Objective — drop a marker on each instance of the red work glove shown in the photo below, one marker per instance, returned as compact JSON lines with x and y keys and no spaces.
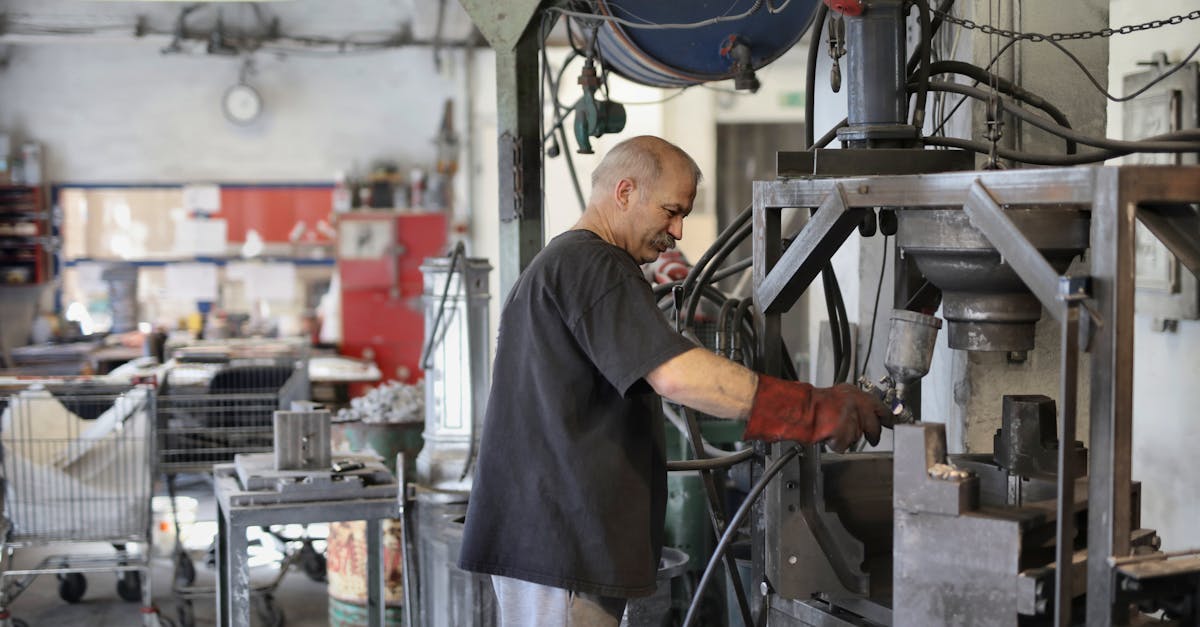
{"x":840,"y":415}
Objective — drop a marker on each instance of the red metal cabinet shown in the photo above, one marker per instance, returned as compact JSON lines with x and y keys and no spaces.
{"x":379,"y":266}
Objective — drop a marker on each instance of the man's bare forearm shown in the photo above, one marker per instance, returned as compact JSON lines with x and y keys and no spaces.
{"x":706,"y":382}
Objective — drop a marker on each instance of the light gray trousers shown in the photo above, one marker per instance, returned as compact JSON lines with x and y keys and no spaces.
{"x":525,"y":604}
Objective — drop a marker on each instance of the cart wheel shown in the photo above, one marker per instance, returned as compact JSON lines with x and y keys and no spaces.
{"x":71,"y":587}
{"x":185,"y":570}
{"x":129,"y":586}
{"x":185,"y":613}
{"x":312,"y":562}
{"x":268,"y":613}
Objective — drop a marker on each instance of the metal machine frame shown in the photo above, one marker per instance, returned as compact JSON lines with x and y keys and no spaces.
{"x":1096,"y":312}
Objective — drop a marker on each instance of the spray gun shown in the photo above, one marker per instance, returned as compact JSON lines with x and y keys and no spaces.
{"x":909,"y":353}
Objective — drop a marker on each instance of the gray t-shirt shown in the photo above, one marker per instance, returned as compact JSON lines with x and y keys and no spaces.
{"x":570,"y":485}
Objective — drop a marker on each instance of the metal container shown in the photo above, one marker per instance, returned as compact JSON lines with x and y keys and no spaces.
{"x":456,"y":368}
{"x":986,"y":305}
{"x":655,"y":610}
{"x":910,"y":345}
{"x":346,"y":569}
{"x":449,"y":596}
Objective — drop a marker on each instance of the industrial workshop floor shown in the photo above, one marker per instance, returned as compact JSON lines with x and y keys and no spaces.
{"x":304,"y":602}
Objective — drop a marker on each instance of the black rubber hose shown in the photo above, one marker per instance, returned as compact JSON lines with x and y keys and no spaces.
{"x":835,"y":334}
{"x":810,"y":78}
{"x":983,"y":148}
{"x":715,"y":510}
{"x":711,"y":463}
{"x":828,"y":137}
{"x":740,"y":327}
{"x":723,"y":341}
{"x":741,"y":218}
{"x":839,"y":304}
{"x":719,"y":275}
{"x":1006,"y":86}
{"x":460,"y":252}
{"x":732,"y":528}
{"x":915,"y":58}
{"x":1144,"y":145}
{"x":926,"y":52}
{"x":726,"y":249}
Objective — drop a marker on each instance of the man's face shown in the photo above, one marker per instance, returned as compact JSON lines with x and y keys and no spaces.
{"x":657,"y":211}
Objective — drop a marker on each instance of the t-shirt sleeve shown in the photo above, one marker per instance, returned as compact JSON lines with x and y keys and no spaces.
{"x":626,"y":336}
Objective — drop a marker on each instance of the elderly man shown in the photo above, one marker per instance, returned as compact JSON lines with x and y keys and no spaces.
{"x":567,"y":508}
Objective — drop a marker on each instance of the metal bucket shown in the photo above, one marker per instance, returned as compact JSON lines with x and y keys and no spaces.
{"x":654,"y":610}
{"x":346,"y":570}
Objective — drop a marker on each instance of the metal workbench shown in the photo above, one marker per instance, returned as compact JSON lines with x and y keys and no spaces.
{"x":236,"y":512}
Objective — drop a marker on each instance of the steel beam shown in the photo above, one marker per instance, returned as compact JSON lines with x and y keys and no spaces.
{"x":1178,"y":228}
{"x":502,"y":22}
{"x":829,"y":227}
{"x":1112,"y":255}
{"x":513,"y":29}
{"x":1065,"y":524}
{"x":1014,"y":248}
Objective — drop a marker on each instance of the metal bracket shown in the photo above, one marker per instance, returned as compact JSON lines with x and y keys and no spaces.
{"x":512,"y":201}
{"x":1178,"y":228}
{"x":833,"y":222}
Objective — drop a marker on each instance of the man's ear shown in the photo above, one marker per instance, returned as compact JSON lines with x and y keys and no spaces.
{"x":624,"y":192}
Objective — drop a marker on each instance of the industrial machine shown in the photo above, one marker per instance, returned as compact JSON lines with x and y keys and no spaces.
{"x":1042,"y":530}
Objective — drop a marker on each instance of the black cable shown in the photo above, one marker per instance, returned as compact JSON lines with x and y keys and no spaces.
{"x":460,"y":251}
{"x":705,"y":276}
{"x":1027,"y":157}
{"x":711,"y":463}
{"x":1135,"y":94}
{"x":988,"y":67}
{"x":843,"y":329}
{"x":741,"y":218}
{"x":926,"y":49}
{"x":1006,"y":86}
{"x":831,"y":135}
{"x":875,"y":308}
{"x":732,"y":527}
{"x":723,"y":340}
{"x":736,"y":350}
{"x":720,"y":275}
{"x":935,"y":25}
{"x":715,"y":511}
{"x":1143,"y":145}
{"x":560,"y":116}
{"x":810,"y":78}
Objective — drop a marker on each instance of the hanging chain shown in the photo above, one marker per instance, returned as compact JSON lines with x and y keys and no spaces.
{"x":988,"y":29}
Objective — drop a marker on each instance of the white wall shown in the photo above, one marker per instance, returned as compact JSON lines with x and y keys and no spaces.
{"x":1166,"y":365}
{"x":125,"y":113}
{"x":112,"y":109}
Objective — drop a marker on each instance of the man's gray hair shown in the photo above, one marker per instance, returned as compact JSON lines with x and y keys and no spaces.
{"x":638,"y":158}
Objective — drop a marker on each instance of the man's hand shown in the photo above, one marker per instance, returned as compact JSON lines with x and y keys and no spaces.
{"x":838,"y":415}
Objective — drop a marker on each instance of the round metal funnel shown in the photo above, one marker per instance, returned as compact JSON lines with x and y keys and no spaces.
{"x":985,"y":304}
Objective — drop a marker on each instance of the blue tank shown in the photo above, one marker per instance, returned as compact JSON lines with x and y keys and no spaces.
{"x":687,"y":56}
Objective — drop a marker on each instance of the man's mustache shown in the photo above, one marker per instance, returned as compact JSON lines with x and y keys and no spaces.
{"x":664,"y":240}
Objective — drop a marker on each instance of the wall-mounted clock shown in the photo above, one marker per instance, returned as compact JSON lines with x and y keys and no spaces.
{"x":242,"y":104}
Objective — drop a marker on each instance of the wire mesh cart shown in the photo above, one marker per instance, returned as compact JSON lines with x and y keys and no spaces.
{"x":78,"y":464}
{"x":216,"y":402}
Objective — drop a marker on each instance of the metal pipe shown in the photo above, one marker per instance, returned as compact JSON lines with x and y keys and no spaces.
{"x":875,"y":68}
